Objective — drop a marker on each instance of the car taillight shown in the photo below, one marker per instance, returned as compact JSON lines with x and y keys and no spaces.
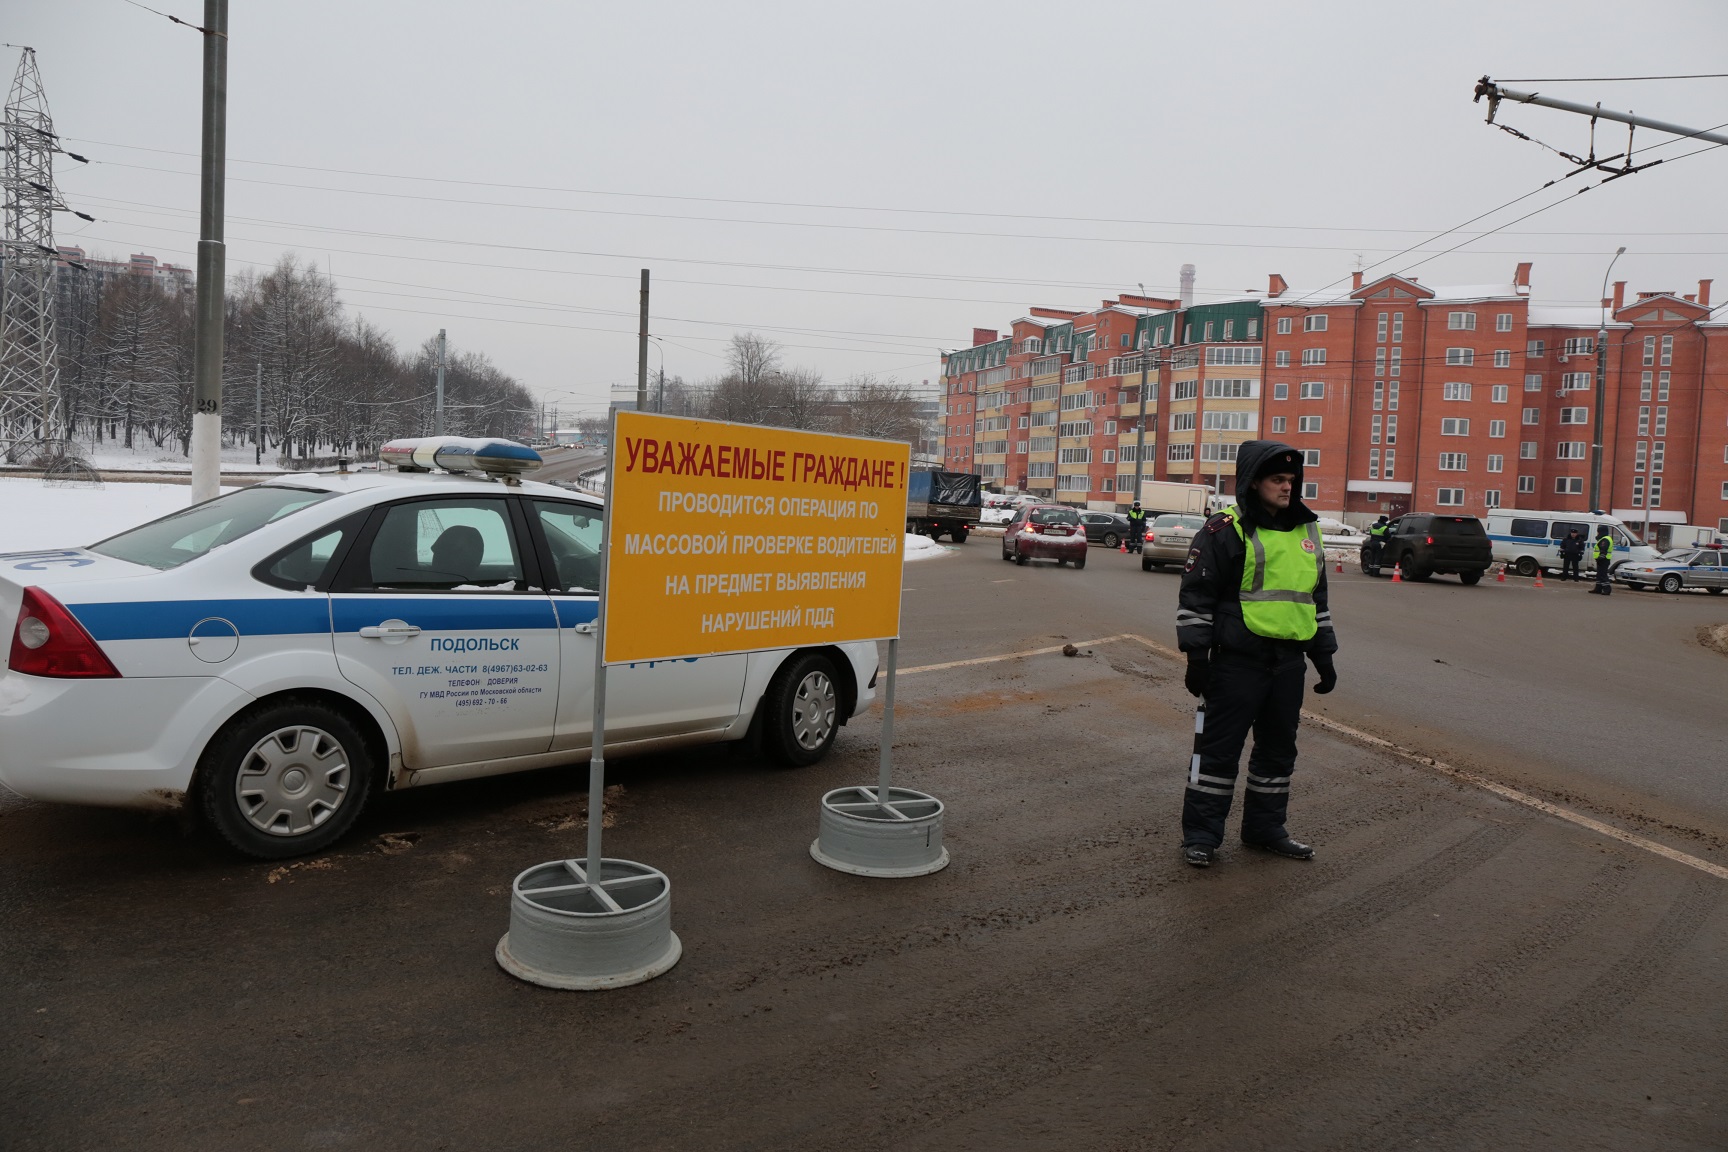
{"x":1430,"y":539}
{"x":48,"y":641}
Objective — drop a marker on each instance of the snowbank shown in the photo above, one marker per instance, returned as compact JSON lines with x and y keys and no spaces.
{"x":33,"y":515}
{"x":922,"y":548}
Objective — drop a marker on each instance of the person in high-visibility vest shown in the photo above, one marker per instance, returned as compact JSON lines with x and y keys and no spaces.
{"x":1377,"y":541}
{"x":1604,"y":560}
{"x":1252,"y":608}
{"x":1136,"y":527}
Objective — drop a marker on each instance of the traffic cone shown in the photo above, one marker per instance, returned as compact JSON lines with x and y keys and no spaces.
{"x":1538,"y":577}
{"x":1124,"y":548}
{"x":1397,"y":573}
{"x":1500,"y":577}
{"x":1340,"y":567}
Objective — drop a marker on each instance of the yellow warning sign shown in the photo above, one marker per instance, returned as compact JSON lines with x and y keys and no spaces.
{"x":738,"y":538}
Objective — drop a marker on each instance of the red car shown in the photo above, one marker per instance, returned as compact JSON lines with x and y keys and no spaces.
{"x":1045,"y":531}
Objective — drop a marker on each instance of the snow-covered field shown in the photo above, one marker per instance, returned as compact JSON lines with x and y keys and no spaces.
{"x":33,"y":515}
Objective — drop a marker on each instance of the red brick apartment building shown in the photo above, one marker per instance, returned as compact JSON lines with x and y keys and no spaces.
{"x":1403,"y":396}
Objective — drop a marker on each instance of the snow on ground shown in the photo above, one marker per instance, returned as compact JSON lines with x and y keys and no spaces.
{"x":922,"y":548}
{"x":113,"y":456}
{"x":34,"y":516}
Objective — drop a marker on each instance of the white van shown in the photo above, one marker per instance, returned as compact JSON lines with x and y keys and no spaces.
{"x":1529,"y":542}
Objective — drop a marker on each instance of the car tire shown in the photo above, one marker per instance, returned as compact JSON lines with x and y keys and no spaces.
{"x":1019,"y":557}
{"x":1080,"y":562}
{"x":259,"y":786}
{"x":959,"y":535}
{"x":1635,"y":587}
{"x":1470,"y":577}
{"x":1006,"y":555}
{"x":1670,"y":583}
{"x":1145,"y":565}
{"x":1111,"y":540}
{"x":1714,"y":591}
{"x":1526,"y":566}
{"x":801,"y":711}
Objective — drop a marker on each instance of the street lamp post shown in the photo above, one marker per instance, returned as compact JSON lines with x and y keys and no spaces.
{"x":1601,"y":389}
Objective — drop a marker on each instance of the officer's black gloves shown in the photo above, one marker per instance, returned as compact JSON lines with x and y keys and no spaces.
{"x":1328,"y":674}
{"x":1199,"y":672}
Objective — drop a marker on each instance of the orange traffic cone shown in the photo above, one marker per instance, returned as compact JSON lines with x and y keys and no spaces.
{"x":1124,"y":547}
{"x":1500,"y":577}
{"x":1397,"y":573}
{"x":1538,"y":577}
{"x":1340,"y":567}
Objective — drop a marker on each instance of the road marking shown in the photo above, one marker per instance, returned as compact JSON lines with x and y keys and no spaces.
{"x":1013,"y":655}
{"x":1464,"y":776}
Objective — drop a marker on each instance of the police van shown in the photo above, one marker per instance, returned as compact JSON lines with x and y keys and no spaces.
{"x":275,"y":656}
{"x":1529,"y":542}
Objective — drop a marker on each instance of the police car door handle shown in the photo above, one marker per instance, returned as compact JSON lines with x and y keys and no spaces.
{"x":390,"y":630}
{"x":587,"y":628}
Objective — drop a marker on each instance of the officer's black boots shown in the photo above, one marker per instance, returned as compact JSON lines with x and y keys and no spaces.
{"x":1284,"y":846}
{"x":1198,"y":855}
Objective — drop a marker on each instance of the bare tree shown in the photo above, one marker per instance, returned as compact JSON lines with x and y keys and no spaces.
{"x":753,"y":359}
{"x":881,"y":409}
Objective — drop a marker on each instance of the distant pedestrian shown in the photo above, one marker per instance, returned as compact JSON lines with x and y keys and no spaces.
{"x":1571,"y":555}
{"x":1604,"y":559}
{"x":1253,"y":605}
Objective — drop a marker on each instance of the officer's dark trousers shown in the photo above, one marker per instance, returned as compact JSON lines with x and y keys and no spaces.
{"x":1603,"y":584}
{"x":1569,"y":568}
{"x":1259,"y":694}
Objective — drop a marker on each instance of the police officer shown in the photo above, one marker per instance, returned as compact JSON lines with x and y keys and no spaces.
{"x":1253,"y":605}
{"x":1604,"y":557}
{"x":1136,"y":527}
{"x":1377,"y":541}
{"x":1571,"y":555}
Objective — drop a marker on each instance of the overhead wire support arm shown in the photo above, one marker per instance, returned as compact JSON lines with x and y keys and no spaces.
{"x":1496,"y":93}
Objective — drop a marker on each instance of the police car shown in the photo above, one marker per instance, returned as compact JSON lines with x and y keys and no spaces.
{"x":276,"y":656}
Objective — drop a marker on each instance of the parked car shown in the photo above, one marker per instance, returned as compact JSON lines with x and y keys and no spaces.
{"x":1106,"y":528}
{"x":1679,"y":569}
{"x":1045,"y":532}
{"x":997,"y":509}
{"x":1168,"y":540}
{"x":1424,"y":544}
{"x":270,"y":659}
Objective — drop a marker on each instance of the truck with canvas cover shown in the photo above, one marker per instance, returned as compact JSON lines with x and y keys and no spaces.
{"x":1158,"y":496}
{"x":938,"y":502}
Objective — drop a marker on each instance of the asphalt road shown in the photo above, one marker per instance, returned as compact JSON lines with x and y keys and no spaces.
{"x":1455,"y":970}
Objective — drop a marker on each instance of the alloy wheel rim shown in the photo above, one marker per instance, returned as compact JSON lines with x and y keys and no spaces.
{"x":814,"y":705}
{"x":292,"y":780}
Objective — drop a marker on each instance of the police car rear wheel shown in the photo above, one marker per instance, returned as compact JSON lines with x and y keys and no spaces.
{"x":1670,"y":583}
{"x":287,"y":780}
{"x":803,"y":714}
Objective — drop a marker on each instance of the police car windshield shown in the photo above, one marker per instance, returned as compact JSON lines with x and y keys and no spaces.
{"x":182,"y":536}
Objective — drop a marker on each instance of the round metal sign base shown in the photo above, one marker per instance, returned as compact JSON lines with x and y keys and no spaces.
{"x":570,"y":931}
{"x":865,"y":837}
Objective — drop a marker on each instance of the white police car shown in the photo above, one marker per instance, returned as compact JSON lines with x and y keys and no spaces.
{"x":276,"y":655}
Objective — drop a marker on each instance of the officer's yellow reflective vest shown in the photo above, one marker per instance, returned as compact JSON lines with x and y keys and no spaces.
{"x":1280,"y":571}
{"x":1604,"y":548}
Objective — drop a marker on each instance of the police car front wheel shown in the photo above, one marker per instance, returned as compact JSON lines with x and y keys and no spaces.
{"x":803,"y":710}
{"x":289,"y":779}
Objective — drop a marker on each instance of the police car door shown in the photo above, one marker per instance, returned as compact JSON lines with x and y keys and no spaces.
{"x":643,"y":701}
{"x":436,"y":613}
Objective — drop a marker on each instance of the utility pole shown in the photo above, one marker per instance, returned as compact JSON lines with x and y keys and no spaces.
{"x":642,"y":350}
{"x":1601,"y":390}
{"x":212,"y":261}
{"x":438,"y":405}
{"x":1496,"y":94}
{"x":258,"y":418}
{"x":660,"y":398}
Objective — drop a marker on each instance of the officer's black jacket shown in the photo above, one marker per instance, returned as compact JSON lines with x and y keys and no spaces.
{"x":1209,"y":614}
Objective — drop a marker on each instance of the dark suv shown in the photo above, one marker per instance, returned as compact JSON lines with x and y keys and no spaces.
{"x":1425,"y":543}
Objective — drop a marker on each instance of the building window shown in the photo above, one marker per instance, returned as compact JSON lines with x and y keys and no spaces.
{"x":1310,"y":490}
{"x":1397,"y":362}
{"x":1020,"y":447}
{"x":1450,"y":498}
{"x":1181,"y":452}
{"x":1667,"y":359}
{"x":1241,"y":355}
{"x":1184,"y":389}
{"x":1532,"y":415}
{"x":1109,"y":456}
{"x":1503,"y":322}
{"x":1108,"y":484}
{"x":1229,"y":421}
{"x":1281,"y":359}
{"x":1453,"y":461}
{"x":1076,"y":456}
{"x":1391,"y":462}
{"x":1283,"y":325}
{"x":1658,"y":453}
{"x":1661,"y":421}
{"x":1574,"y":415}
{"x":1216,"y":453}
{"x":1640,"y":456}
{"x":1461,"y":321}
{"x":1535,"y":349}
{"x":1311,"y":458}
{"x":1392,"y":396}
{"x":1397,"y":327}
{"x":1379,"y":361}
{"x":1496,"y":429}
{"x":1313,"y":389}
{"x":1655,"y":491}
{"x":1278,"y":423}
{"x":1496,"y":463}
{"x":1374,"y":430}
{"x":1649,"y":351}
{"x":1391,"y":429}
{"x":1208,"y":337}
{"x":1455,"y":427}
{"x":1644,"y":421}
{"x":1461,"y":357}
{"x":1313,"y":356}
{"x":1182,"y":421}
{"x":1500,"y":394}
{"x":1527,"y":450}
{"x":1637,"y":491}
{"x":1570,"y":450}
{"x":1662,"y":379}
{"x":1380,"y":329}
{"x":1229,"y":329}
{"x":1232,"y":389}
{"x":1455,"y":391}
{"x":1379,"y":394}
{"x":1575,"y":381}
{"x":1374,"y":465}
{"x":1569,"y":485}
{"x":1526,"y":484}
{"x":1533,"y":382}
{"x":1308,"y":424}
{"x":1313,"y":323}
{"x":1109,"y":427}
{"x":1491,"y":498}
{"x":1578,"y":346}
{"x":1502,"y":358}
{"x":1280,"y":391}
{"x":1253,"y":330}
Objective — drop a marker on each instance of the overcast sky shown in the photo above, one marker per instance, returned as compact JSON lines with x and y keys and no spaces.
{"x":867,"y":183}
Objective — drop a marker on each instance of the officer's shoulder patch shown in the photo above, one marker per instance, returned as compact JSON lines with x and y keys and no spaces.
{"x":1220,"y":521}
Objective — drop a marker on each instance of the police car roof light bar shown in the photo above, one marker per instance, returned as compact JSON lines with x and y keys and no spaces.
{"x":501,"y":458}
